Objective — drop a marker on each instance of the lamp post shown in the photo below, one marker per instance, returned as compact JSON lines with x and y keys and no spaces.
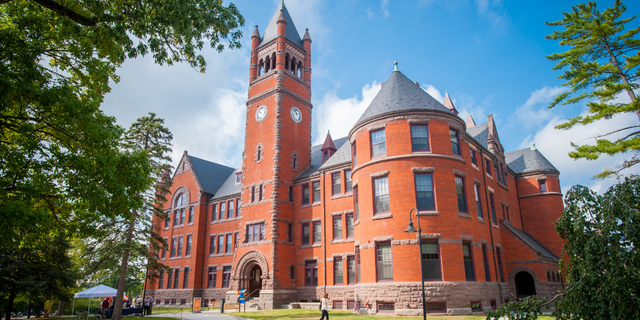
{"x":411,"y":229}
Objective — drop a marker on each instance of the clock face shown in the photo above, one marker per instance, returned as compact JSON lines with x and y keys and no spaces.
{"x":296,"y":115}
{"x":261,"y":113}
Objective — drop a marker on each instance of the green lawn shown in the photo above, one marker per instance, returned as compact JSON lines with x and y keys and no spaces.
{"x":285,"y":314}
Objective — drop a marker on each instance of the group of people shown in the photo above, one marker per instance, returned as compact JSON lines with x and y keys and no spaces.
{"x":109,"y":302}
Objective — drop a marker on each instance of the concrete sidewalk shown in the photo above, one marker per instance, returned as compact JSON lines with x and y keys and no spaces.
{"x":204,"y":315}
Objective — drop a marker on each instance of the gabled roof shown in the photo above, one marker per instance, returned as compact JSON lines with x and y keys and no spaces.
{"x":272,"y":29}
{"x":400,"y":94}
{"x":316,"y":159}
{"x":229,"y":187}
{"x":342,"y":156}
{"x":210,"y":175}
{"x":528,"y":160}
{"x":530,"y":241}
{"x":328,"y":143}
{"x":480,"y":133}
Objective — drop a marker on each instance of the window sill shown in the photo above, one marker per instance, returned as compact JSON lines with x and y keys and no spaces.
{"x":305,"y":246}
{"x":357,"y":222}
{"x":503,"y":185}
{"x":379,"y":216}
{"x":495,"y":226}
{"x":175,"y":258}
{"x":489,"y":176}
{"x":421,"y":151}
{"x":178,"y":226}
{"x":481,"y":220}
{"x":428,"y":213}
{"x":475,"y":166}
{"x":341,"y":240}
{"x":310,"y":205}
{"x":226,"y":220}
{"x":464,"y":215}
{"x":341,"y":195}
{"x":221,"y":254}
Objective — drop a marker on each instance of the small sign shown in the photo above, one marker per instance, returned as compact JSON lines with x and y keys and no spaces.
{"x":241,"y":300}
{"x":196,"y":304}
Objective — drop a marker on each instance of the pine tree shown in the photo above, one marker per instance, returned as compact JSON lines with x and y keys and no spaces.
{"x":600,"y":66}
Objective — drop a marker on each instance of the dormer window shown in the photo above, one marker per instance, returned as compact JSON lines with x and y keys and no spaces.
{"x":238,"y":177}
{"x":325,"y":156}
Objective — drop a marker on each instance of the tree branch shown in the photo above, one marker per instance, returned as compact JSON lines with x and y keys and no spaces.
{"x":54,"y":6}
{"x":606,"y":134}
{"x":5,"y":1}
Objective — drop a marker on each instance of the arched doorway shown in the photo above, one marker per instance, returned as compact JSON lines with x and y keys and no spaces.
{"x":525,"y":285}
{"x":255,"y":281}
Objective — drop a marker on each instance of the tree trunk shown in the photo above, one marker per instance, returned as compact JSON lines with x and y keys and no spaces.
{"x":117,"y":307}
{"x":60,"y":308}
{"x":621,"y":74}
{"x":9,"y":306}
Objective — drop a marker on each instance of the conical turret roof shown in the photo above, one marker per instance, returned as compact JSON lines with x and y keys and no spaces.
{"x":400,"y":94}
{"x":272,"y":30}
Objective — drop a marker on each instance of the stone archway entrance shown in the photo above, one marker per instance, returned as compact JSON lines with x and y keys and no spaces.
{"x":255,"y":281}
{"x":525,"y":285}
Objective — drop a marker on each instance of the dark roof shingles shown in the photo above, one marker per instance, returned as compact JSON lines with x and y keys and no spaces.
{"x":316,"y":159}
{"x":527,"y":160}
{"x":272,"y":29}
{"x":210,"y":174}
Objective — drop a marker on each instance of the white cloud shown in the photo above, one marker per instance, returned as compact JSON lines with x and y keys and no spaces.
{"x":385,"y":12}
{"x":339,"y":115}
{"x":556,"y":144}
{"x":432,"y":91}
{"x":534,"y":111}
{"x":493,"y":12}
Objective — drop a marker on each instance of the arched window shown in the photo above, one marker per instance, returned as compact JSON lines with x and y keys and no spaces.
{"x":273,"y":61}
{"x":299,"y":69}
{"x":295,"y":161}
{"x":260,"y":67}
{"x":293,"y":65}
{"x":259,"y":152}
{"x":287,"y":59}
{"x":180,"y":201}
{"x":548,"y":275}
{"x":267,"y":64}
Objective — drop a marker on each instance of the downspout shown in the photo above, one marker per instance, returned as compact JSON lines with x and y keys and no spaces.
{"x":324,"y":235}
{"x":489,"y":217}
{"x":205,"y":274}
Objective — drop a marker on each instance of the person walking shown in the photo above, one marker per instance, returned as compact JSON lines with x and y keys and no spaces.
{"x":324,"y":306}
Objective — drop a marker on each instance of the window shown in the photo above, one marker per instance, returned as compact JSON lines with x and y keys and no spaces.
{"x":358,"y":278}
{"x":185,"y":281}
{"x":349,"y":218}
{"x":173,"y":302}
{"x":499,"y":264}
{"x":214,"y":212}
{"x":378,"y":143}
{"x":211,"y":283}
{"x":474,"y":158}
{"x":337,"y":305}
{"x":259,"y":153}
{"x":493,"y":209}
{"x":175,"y":218}
{"x":255,"y":232}
{"x":351,"y":270}
{"x":290,"y":232}
{"x":476,"y":306}
{"x":182,"y":217}
{"x":469,"y":272}
{"x":381,"y":195}
{"x":292,"y":273}
{"x":338,"y":276}
{"x":384,"y":261}
{"x":183,"y":302}
{"x":305,"y":194}
{"x":188,"y":251}
{"x":325,"y":155}
{"x":174,"y":244}
{"x":424,"y":191}
{"x":311,"y":273}
{"x":317,"y":232}
{"x":164,"y":251}
{"x":337,"y":227}
{"x":487,"y":165}
{"x":179,"y":246}
{"x":386,"y":307}
{"x":229,"y":243}
{"x":542,"y":184}
{"x":355,"y":203}
{"x":336,"y":187}
{"x":212,"y":245}
{"x":238,"y":177}
{"x":226,"y":276}
{"x":260,"y":189}
{"x":305,"y":233}
{"x":223,"y":206}
{"x":505,"y":213}
{"x":167,"y":221}
{"x":351,"y":305}
{"x":462,"y":199}
{"x":161,"y":280}
{"x":237,"y":207}
{"x":347,"y":181}
{"x":493,"y":304}
{"x":220,"y":244}
{"x":190,"y":215}
{"x":181,"y":200}
{"x":290,"y":193}
{"x":476,"y":191}
{"x":354,"y":157}
{"x":169,"y":279}
{"x":419,"y":138}
{"x":230,"y":207}
{"x":294,"y":161}
{"x":176,"y":279}
{"x":455,"y":142}
{"x":253,"y":194}
{"x":316,"y":191}
{"x":485,"y":261}
{"x":431,"y":261}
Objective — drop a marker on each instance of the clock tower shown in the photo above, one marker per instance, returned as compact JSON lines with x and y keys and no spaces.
{"x":277,"y":147}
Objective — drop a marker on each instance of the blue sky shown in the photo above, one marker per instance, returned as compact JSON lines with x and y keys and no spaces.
{"x":488,"y":55}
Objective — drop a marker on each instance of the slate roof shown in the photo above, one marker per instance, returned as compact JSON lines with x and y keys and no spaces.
{"x":528,"y":160}
{"x":316,"y":158}
{"x":400,"y":94}
{"x":229,"y":187}
{"x":530,"y":241}
{"x":210,"y":174}
{"x":342,"y":156}
{"x":481,"y":134}
{"x":272,"y":29}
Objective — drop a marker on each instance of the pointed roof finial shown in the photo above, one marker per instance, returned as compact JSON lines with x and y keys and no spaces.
{"x":533,"y":147}
{"x":395,"y":66}
{"x":282,"y":3}
{"x":446,"y":93}
{"x":328,"y":132}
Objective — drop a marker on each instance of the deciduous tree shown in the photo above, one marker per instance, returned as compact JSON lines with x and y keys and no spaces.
{"x":600,"y":67}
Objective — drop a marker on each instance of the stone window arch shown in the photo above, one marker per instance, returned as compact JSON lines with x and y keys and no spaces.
{"x":259,"y":154}
{"x":295,"y":161}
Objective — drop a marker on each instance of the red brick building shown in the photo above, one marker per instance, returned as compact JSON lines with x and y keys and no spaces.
{"x":296,"y":220}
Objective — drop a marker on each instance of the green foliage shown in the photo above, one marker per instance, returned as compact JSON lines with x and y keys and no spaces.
{"x":601,"y":64}
{"x":525,"y":309}
{"x":601,"y":234}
